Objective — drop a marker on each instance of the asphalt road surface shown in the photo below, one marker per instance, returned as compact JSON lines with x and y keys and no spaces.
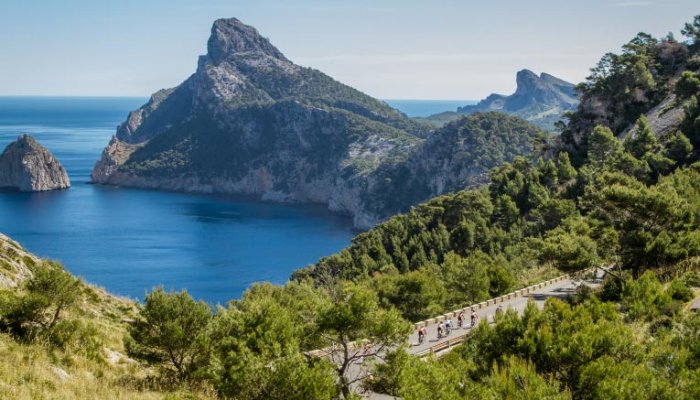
{"x":559,"y":289}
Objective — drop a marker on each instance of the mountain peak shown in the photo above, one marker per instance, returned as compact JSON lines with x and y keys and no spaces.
{"x":526,"y":81}
{"x":539,"y":99}
{"x":25,"y":139}
{"x":230,"y":36}
{"x":525,"y":73}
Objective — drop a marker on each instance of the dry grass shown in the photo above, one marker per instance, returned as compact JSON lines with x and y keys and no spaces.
{"x":92,"y":368}
{"x":91,"y":365}
{"x":34,"y":371}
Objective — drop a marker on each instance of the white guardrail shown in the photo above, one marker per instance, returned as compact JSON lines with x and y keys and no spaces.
{"x":468,"y":309}
{"x":459,"y":339}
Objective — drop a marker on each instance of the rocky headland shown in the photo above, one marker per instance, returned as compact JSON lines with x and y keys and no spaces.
{"x":541,"y":100}
{"x":250,"y":121}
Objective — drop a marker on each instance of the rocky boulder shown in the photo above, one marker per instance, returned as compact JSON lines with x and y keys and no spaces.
{"x":27,"y":166}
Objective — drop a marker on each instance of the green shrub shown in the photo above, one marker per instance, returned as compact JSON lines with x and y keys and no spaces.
{"x":644,"y":298}
{"x":42,"y":303}
{"x":678,"y":290}
{"x":688,"y":85}
{"x":78,"y":336}
{"x":692,"y":279}
{"x":171,"y":332}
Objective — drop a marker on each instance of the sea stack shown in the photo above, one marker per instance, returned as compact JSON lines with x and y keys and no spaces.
{"x":27,"y":166}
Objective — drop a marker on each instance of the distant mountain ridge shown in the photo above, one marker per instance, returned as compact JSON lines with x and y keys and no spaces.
{"x":541,"y":100}
{"x":249,"y":121}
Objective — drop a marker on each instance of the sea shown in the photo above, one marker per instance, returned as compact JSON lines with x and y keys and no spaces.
{"x":425,"y":108}
{"x":130,"y":241}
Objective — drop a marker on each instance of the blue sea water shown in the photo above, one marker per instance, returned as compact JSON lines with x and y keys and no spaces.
{"x":424,"y":108}
{"x":129,"y":240}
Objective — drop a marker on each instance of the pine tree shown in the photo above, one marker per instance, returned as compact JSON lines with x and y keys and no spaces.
{"x":644,"y":139}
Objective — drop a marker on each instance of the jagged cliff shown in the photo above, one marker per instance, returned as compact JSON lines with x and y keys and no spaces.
{"x":250,"y":121}
{"x":542,"y":100}
{"x":27,"y":166}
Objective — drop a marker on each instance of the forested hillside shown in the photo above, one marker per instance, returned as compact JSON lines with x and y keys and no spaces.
{"x":635,"y":341}
{"x":631,"y":200}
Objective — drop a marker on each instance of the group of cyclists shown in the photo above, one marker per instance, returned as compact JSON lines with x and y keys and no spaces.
{"x":445,"y":327}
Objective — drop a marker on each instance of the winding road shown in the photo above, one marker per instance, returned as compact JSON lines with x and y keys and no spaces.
{"x":559,"y":288}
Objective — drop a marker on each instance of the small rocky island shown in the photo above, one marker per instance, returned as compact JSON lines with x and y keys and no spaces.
{"x":27,"y":166}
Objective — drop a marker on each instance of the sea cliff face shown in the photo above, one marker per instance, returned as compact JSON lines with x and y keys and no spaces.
{"x":27,"y":166}
{"x":249,"y":121}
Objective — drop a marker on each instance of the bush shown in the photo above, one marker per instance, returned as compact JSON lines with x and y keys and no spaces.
{"x":661,"y":323}
{"x":644,"y":298}
{"x":678,"y":290}
{"x":81,"y":337}
{"x":171,"y":332}
{"x":692,"y":279}
{"x":612,"y":289}
{"x":688,"y":85}
{"x":41,"y":306}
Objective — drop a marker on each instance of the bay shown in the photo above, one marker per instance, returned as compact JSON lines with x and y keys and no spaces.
{"x":130,"y":241}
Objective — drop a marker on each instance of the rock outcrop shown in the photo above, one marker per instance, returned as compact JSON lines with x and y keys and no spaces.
{"x":27,"y":166}
{"x":15,"y":263}
{"x":249,"y":121}
{"x":541,"y":100}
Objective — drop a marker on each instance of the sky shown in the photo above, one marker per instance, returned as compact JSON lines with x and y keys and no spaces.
{"x":390,"y":49}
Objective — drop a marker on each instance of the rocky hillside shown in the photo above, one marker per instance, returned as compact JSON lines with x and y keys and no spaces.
{"x":457,"y":156}
{"x":654,"y":78}
{"x":250,"y":121}
{"x":15,"y":263}
{"x":27,"y":166}
{"x":61,"y":338}
{"x":542,"y":100}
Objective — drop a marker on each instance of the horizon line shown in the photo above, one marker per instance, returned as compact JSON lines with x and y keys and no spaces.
{"x":80,"y":96}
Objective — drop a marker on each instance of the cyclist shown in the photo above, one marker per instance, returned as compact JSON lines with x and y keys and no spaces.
{"x":421,"y":334}
{"x":475,"y":318}
{"x":460,"y":319}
